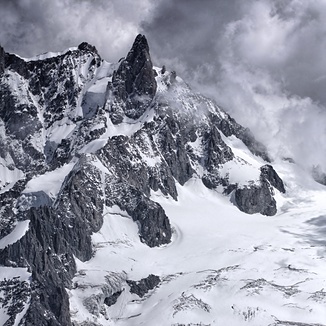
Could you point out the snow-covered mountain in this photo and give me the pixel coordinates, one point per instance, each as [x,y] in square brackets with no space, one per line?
[128,199]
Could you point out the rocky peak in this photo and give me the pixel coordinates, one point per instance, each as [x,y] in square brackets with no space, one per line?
[134,81]
[139,48]
[14,63]
[269,174]
[2,59]
[259,198]
[84,46]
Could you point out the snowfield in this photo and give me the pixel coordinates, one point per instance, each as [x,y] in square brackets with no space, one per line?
[223,267]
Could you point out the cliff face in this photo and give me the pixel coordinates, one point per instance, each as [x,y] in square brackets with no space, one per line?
[79,135]
[133,83]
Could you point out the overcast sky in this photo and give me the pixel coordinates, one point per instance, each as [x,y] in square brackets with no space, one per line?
[264,61]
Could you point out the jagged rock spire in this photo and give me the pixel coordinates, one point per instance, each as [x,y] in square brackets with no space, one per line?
[139,48]
[2,59]
[134,81]
[84,46]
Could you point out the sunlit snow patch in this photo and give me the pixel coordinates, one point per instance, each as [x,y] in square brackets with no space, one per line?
[17,233]
[50,182]
[9,176]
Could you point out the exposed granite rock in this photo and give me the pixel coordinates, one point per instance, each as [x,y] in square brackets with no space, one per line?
[259,198]
[133,84]
[153,224]
[172,145]
[51,84]
[268,173]
[2,60]
[155,228]
[16,64]
[124,157]
[80,206]
[49,257]
[20,120]
[229,127]
[15,294]
[8,202]
[84,46]
[144,285]
[55,82]
[112,299]
[216,152]
[256,199]
[54,237]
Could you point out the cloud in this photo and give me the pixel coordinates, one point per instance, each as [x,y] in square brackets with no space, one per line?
[30,27]
[262,60]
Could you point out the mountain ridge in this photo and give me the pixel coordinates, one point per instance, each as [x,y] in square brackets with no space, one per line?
[109,135]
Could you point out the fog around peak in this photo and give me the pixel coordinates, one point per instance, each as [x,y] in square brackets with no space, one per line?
[263,61]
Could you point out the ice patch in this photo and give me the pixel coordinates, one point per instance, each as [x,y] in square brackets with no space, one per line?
[18,232]
[50,182]
[9,176]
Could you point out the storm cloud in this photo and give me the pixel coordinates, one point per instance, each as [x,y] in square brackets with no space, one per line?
[30,27]
[262,60]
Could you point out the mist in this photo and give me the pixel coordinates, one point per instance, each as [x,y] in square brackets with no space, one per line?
[263,61]
[31,27]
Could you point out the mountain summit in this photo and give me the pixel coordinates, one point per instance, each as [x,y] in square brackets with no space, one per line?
[133,83]
[105,168]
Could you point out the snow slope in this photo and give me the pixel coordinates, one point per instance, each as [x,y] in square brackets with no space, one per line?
[223,267]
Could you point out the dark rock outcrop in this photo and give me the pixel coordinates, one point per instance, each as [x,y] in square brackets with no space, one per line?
[153,224]
[144,285]
[50,259]
[2,60]
[16,64]
[216,152]
[84,46]
[319,175]
[230,127]
[8,202]
[133,84]
[256,199]
[259,198]
[15,293]
[55,235]
[112,299]
[268,173]
[20,120]
[172,144]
